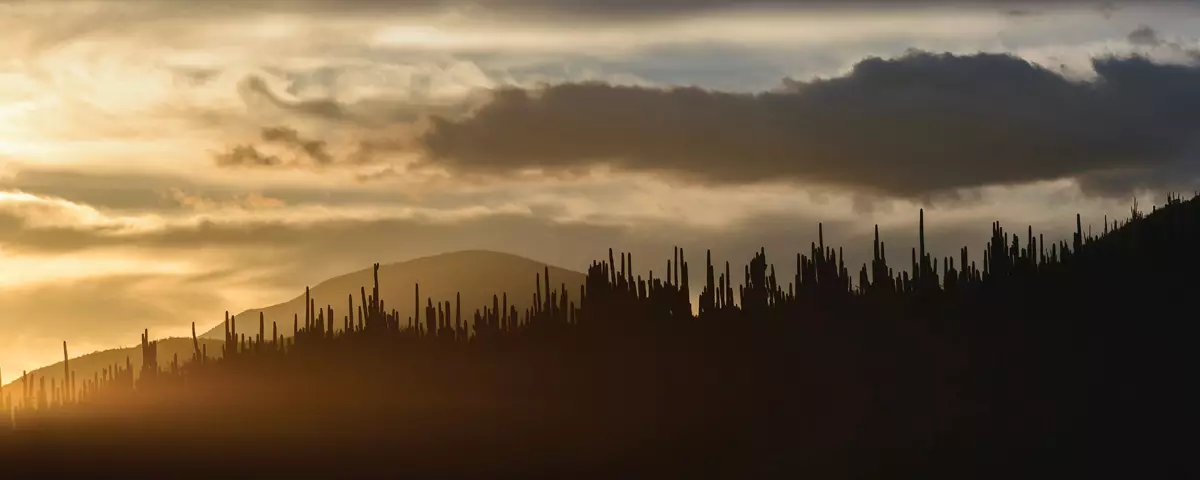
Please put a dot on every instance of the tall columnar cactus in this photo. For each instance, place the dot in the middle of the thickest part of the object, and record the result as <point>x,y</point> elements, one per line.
<point>922,267</point>
<point>537,294</point>
<point>233,333</point>
<point>330,316</point>
<point>431,327</point>
<point>546,279</point>
<point>674,274</point>
<point>195,344</point>
<point>685,293</point>
<point>1078,240</point>
<point>66,367</point>
<point>611,265</point>
<point>728,286</point>
<point>362,309</point>
<point>149,356</point>
<point>377,307</point>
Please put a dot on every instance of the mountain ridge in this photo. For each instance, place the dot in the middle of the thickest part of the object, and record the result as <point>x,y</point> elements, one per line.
<point>476,274</point>
<point>511,274</point>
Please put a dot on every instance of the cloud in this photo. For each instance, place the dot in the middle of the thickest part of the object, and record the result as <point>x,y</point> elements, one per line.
<point>1021,12</point>
<point>277,237</point>
<point>386,173</point>
<point>245,155</point>
<point>911,126</point>
<point>368,147</point>
<point>1151,42</point>
<point>46,212</point>
<point>199,203</point>
<point>254,89</point>
<point>604,9</point>
<point>313,149</point>
<point>1108,8</point>
<point>1144,36</point>
<point>308,152</point>
<point>376,110</point>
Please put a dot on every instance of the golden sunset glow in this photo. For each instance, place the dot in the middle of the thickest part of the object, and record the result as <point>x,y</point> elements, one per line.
<point>223,158</point>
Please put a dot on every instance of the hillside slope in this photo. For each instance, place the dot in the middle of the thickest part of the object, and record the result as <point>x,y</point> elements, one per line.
<point>476,274</point>
<point>85,366</point>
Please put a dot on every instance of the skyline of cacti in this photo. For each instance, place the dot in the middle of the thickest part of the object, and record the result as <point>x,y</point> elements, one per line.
<point>1001,258</point>
<point>957,349</point>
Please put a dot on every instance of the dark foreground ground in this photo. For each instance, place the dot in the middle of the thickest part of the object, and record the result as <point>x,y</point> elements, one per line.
<point>731,409</point>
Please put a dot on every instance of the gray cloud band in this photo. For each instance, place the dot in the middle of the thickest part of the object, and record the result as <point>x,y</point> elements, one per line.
<point>911,126</point>
<point>615,9</point>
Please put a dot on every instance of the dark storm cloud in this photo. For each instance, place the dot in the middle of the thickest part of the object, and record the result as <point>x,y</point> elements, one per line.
<point>911,126</point>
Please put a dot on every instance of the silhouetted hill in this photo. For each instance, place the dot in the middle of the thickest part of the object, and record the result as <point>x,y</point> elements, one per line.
<point>1046,359</point>
<point>87,365</point>
<point>477,274</point>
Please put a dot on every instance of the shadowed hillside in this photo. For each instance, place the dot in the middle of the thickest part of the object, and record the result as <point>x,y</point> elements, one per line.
<point>477,274</point>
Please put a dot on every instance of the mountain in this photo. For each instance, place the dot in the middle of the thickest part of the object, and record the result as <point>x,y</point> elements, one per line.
<point>476,274</point>
<point>86,366</point>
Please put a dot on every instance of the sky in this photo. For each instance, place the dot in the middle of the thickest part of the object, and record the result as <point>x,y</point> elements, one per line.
<point>164,161</point>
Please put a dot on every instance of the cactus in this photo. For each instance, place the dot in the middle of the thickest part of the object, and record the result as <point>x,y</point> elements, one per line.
<point>308,311</point>
<point>66,366</point>
<point>195,344</point>
<point>822,288</point>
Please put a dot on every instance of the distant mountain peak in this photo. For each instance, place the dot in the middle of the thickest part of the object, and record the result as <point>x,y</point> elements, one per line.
<point>475,274</point>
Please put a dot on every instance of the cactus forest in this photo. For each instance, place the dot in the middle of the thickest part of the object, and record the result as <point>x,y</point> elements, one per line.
<point>1029,352</point>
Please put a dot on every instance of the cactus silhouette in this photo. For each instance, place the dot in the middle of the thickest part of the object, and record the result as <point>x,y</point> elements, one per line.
<point>931,357</point>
